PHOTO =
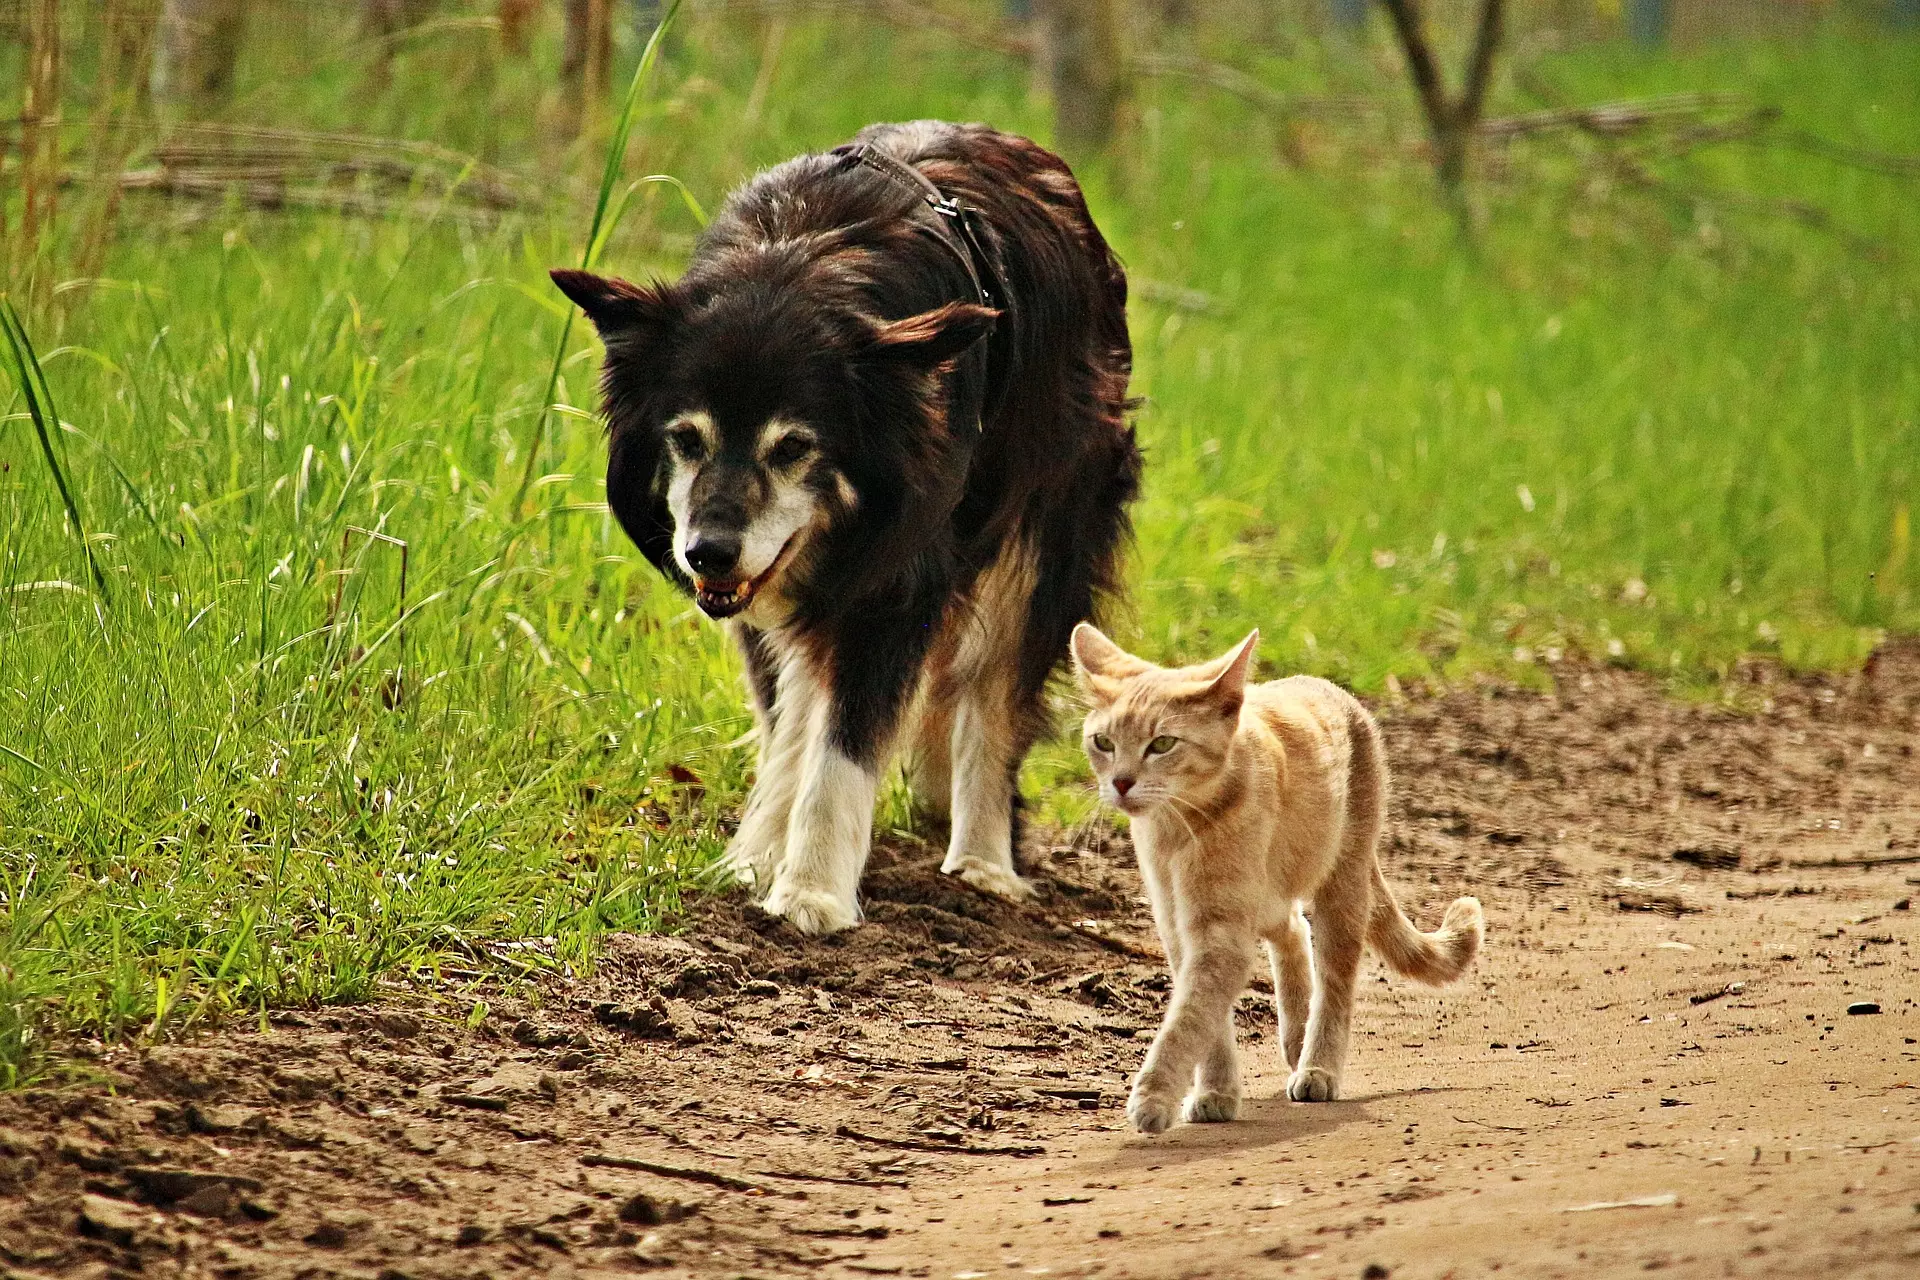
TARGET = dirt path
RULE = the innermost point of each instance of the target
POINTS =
(1660, 1016)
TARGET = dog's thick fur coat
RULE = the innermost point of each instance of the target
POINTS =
(904, 500)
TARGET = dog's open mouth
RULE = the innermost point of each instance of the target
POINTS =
(721, 599)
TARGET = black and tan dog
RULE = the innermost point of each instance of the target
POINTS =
(880, 425)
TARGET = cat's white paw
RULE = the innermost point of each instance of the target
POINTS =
(1211, 1107)
(1313, 1084)
(985, 875)
(1150, 1112)
(812, 910)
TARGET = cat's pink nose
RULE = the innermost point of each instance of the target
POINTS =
(1123, 785)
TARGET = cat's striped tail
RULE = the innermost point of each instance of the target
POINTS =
(1433, 958)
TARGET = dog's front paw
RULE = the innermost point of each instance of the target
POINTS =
(985, 875)
(812, 910)
(1211, 1106)
(1150, 1112)
(751, 865)
(1313, 1084)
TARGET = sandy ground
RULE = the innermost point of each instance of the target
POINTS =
(1652, 1067)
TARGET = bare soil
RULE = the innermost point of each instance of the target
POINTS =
(1653, 1065)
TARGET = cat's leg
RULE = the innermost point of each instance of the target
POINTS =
(1340, 912)
(1292, 965)
(1211, 974)
(1216, 1081)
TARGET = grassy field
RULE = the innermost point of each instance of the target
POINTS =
(254, 765)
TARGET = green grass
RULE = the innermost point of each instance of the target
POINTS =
(249, 771)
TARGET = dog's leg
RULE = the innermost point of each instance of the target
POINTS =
(827, 833)
(990, 730)
(781, 703)
(981, 849)
(930, 761)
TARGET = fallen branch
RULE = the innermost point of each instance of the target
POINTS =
(685, 1173)
(910, 1144)
(1887, 860)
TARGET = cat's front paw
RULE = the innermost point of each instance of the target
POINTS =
(812, 910)
(1211, 1106)
(1150, 1112)
(1313, 1084)
(985, 875)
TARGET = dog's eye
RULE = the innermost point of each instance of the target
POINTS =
(1162, 744)
(1102, 742)
(687, 443)
(788, 450)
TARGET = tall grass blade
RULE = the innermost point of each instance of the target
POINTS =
(610, 174)
(32, 381)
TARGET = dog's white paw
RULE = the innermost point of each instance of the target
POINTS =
(751, 865)
(1150, 1112)
(1313, 1084)
(985, 875)
(812, 910)
(1211, 1107)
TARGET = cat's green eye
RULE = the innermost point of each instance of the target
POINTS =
(1102, 742)
(1162, 744)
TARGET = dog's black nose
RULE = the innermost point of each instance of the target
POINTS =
(713, 557)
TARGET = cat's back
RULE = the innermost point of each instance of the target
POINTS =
(1309, 719)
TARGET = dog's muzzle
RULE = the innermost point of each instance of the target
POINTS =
(720, 595)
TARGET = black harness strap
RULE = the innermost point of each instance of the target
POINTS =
(963, 235)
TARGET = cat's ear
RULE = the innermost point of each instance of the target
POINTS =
(1097, 658)
(1229, 688)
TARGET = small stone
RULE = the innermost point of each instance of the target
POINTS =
(215, 1200)
(642, 1210)
(1375, 1271)
(401, 1026)
(218, 1120)
(114, 1221)
(761, 987)
(1863, 1006)
(335, 1230)
(471, 1234)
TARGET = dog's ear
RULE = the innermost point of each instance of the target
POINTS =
(932, 337)
(621, 311)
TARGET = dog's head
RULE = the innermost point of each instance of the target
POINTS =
(747, 423)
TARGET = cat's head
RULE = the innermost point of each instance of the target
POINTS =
(1157, 733)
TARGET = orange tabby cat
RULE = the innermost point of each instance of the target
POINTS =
(1246, 803)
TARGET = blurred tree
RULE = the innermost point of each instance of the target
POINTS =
(1648, 21)
(516, 25)
(1080, 44)
(1349, 15)
(1906, 12)
(198, 48)
(39, 149)
(586, 61)
(1451, 121)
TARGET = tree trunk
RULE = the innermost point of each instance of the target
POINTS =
(39, 147)
(586, 61)
(198, 48)
(1081, 45)
(1451, 122)
(516, 25)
